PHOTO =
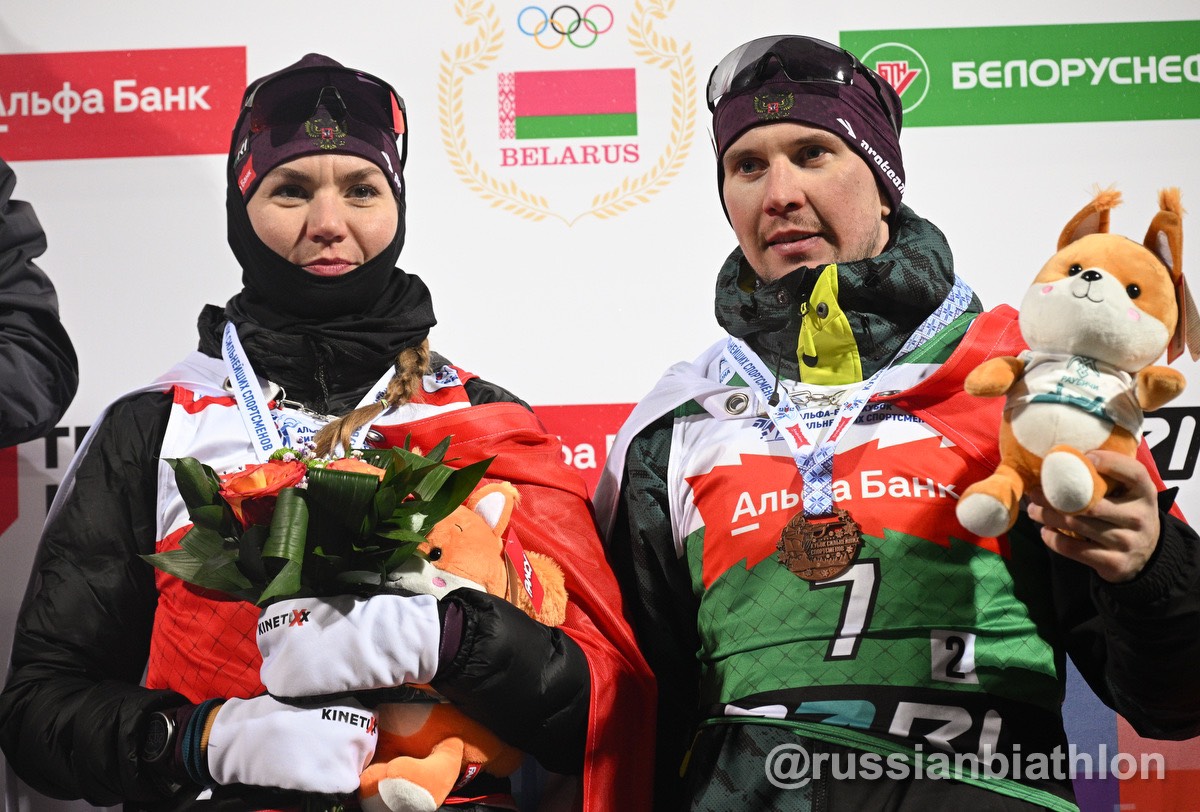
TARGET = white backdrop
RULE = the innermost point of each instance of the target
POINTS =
(582, 312)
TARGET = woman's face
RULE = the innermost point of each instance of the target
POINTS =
(328, 213)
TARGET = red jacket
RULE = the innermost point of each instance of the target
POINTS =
(554, 518)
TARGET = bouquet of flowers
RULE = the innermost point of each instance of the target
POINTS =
(300, 525)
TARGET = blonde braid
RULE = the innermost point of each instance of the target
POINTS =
(411, 365)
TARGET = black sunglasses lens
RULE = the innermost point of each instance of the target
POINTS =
(819, 62)
(801, 59)
(274, 106)
(293, 98)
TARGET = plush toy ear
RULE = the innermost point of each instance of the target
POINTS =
(1188, 328)
(1092, 218)
(1164, 239)
(495, 503)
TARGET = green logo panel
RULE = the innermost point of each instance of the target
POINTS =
(1038, 74)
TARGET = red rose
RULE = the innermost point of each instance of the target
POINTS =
(251, 493)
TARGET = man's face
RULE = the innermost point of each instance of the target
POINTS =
(798, 195)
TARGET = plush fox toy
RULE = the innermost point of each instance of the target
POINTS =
(426, 750)
(1098, 315)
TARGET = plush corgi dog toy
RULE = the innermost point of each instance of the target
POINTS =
(425, 750)
(1097, 316)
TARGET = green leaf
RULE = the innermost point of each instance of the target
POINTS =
(400, 534)
(199, 487)
(379, 457)
(457, 488)
(331, 558)
(386, 501)
(203, 543)
(285, 584)
(409, 517)
(197, 483)
(401, 554)
(250, 561)
(411, 463)
(438, 453)
(211, 516)
(180, 563)
(221, 573)
(429, 485)
(388, 464)
(289, 526)
(343, 495)
(213, 573)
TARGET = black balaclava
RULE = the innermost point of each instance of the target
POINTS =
(326, 339)
(277, 291)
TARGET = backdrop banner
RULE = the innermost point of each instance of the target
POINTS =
(562, 205)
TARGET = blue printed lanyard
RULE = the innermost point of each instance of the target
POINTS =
(252, 405)
(264, 434)
(813, 457)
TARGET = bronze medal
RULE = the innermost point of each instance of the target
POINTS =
(817, 548)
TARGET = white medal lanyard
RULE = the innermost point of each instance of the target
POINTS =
(252, 405)
(814, 457)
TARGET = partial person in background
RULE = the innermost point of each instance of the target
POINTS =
(38, 369)
(781, 512)
(330, 326)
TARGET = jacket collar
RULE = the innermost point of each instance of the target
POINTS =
(884, 298)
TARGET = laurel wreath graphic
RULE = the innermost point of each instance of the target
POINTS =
(475, 56)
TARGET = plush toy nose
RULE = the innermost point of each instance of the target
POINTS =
(1091, 276)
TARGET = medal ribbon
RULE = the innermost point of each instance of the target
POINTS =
(260, 425)
(814, 458)
(252, 405)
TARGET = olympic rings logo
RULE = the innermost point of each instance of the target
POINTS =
(566, 28)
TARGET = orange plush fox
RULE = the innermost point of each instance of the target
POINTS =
(1097, 317)
(425, 750)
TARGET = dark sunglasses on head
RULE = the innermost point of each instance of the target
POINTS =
(800, 59)
(291, 99)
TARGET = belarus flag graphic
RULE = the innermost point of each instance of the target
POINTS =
(568, 103)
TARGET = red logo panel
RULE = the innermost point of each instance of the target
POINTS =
(116, 104)
(586, 432)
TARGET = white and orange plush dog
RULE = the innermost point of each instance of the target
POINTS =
(425, 750)
(1098, 315)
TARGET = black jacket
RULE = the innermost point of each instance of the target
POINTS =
(73, 711)
(38, 369)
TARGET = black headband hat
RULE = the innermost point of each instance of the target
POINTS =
(313, 107)
(811, 82)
